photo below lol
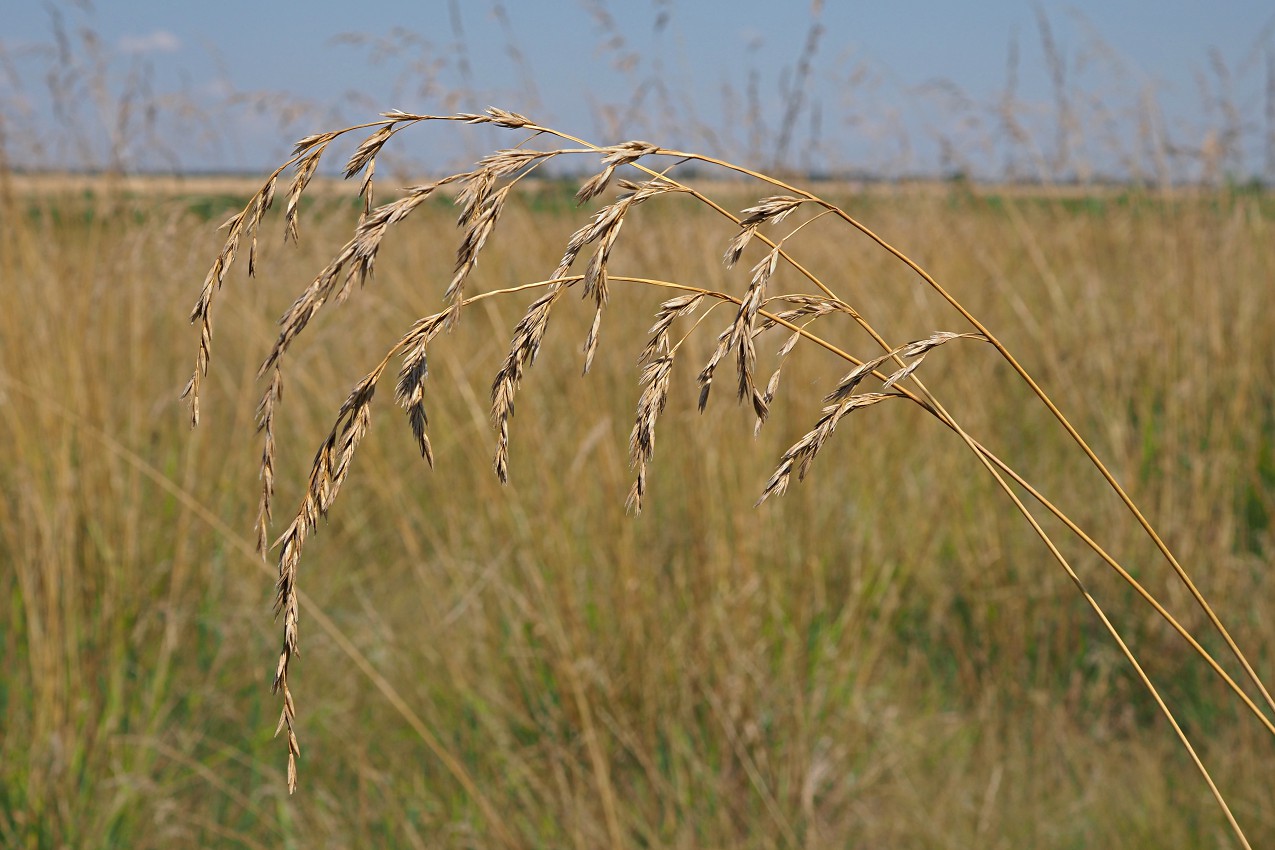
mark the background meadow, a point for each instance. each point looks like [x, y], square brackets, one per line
[885, 656]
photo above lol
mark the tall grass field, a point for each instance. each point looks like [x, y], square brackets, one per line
[884, 655]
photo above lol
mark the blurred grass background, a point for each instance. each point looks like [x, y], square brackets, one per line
[884, 657]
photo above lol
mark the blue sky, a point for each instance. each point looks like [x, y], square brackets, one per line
[903, 87]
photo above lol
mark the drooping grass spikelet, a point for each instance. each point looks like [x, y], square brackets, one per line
[742, 332]
[327, 474]
[595, 277]
[202, 311]
[770, 210]
[478, 222]
[802, 453]
[705, 378]
[265, 416]
[410, 391]
[655, 381]
[843, 400]
[669, 311]
[523, 348]
[615, 156]
[302, 175]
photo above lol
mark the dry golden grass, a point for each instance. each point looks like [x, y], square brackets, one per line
[482, 197]
[885, 656]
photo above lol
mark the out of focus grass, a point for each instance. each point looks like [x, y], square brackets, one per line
[884, 657]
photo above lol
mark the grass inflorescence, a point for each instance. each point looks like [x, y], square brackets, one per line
[781, 298]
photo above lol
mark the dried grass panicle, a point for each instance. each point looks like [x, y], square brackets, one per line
[921, 347]
[802, 453]
[604, 230]
[287, 721]
[479, 222]
[770, 210]
[410, 390]
[332, 461]
[755, 295]
[655, 382]
[366, 152]
[236, 226]
[591, 339]
[843, 400]
[603, 220]
[735, 249]
[656, 358]
[772, 385]
[328, 472]
[808, 308]
[595, 273]
[705, 377]
[916, 349]
[742, 332]
[261, 205]
[365, 189]
[303, 173]
[595, 185]
[483, 194]
[475, 187]
[265, 415]
[507, 161]
[364, 160]
[805, 307]
[305, 159]
[659, 184]
[493, 115]
[202, 314]
[287, 604]
[671, 310]
[628, 152]
[851, 380]
[309, 144]
[523, 348]
[614, 157]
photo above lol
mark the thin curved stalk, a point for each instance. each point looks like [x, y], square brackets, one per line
[1044, 398]
[931, 407]
[863, 323]
[1107, 624]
